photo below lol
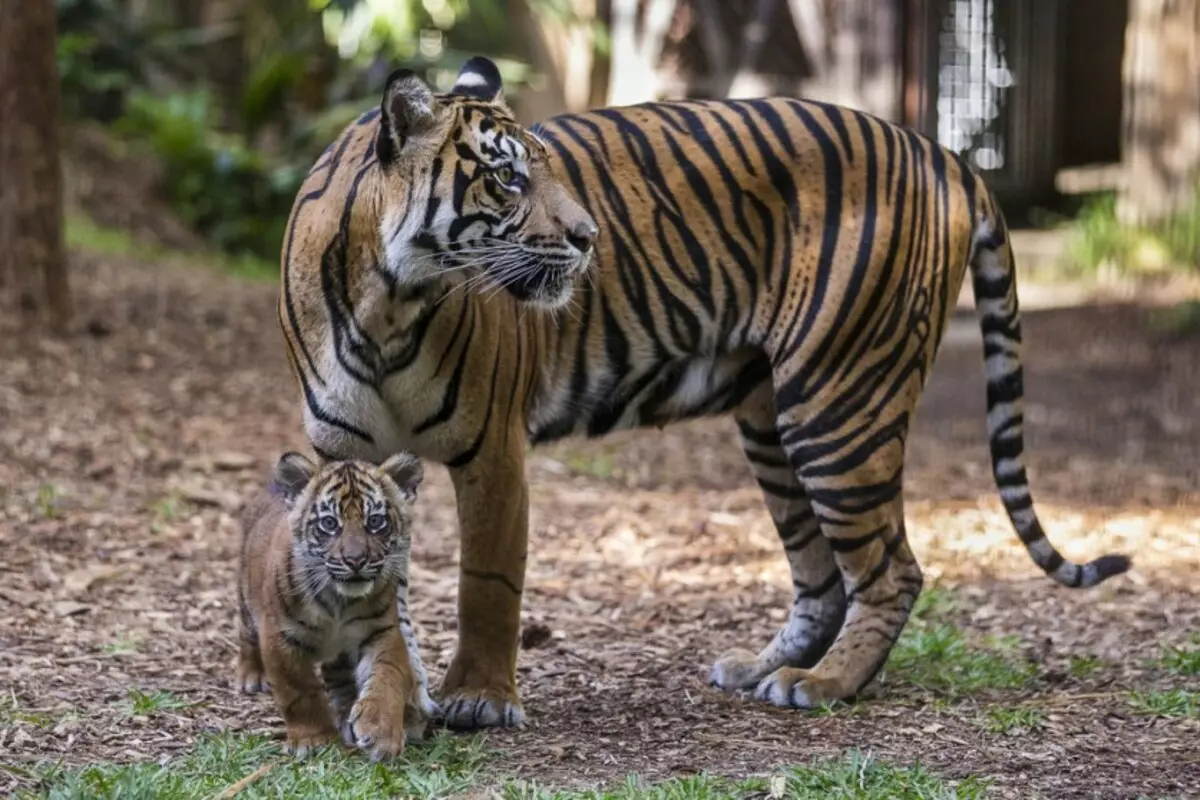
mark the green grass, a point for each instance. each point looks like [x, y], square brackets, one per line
[854, 776]
[441, 767]
[1171, 703]
[1012, 720]
[122, 645]
[1183, 660]
[448, 765]
[142, 704]
[1101, 240]
[939, 658]
[11, 713]
[48, 501]
[84, 234]
[1085, 666]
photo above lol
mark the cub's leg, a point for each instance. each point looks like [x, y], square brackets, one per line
[424, 705]
[480, 686]
[251, 675]
[378, 720]
[818, 600]
[299, 694]
[853, 476]
[342, 688]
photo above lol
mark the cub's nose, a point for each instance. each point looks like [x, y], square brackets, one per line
[583, 235]
[355, 562]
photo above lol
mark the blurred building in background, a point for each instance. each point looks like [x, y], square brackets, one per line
[1030, 90]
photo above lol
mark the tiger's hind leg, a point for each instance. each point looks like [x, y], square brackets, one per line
[818, 602]
[855, 486]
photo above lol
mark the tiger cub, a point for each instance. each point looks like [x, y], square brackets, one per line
[323, 583]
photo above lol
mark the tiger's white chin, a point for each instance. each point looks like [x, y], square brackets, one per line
[354, 589]
[557, 297]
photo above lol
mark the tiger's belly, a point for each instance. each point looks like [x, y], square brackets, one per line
[654, 393]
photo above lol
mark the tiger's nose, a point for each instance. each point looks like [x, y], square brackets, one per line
[355, 562]
[583, 235]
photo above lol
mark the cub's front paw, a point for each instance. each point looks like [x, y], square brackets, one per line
[377, 724]
[302, 741]
[252, 680]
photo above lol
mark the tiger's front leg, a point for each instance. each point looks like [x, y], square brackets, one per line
[480, 686]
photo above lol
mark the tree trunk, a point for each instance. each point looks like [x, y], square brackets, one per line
[33, 269]
[1161, 142]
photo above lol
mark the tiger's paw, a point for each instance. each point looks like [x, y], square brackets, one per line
[789, 687]
[736, 669]
[421, 710]
[471, 709]
[303, 741]
[378, 726]
[252, 680]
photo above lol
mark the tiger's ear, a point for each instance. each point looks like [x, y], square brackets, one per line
[292, 473]
[406, 472]
[408, 109]
[480, 78]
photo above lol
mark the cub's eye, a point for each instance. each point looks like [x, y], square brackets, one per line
[377, 523]
[328, 525]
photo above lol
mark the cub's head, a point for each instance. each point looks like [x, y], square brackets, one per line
[351, 521]
[468, 195]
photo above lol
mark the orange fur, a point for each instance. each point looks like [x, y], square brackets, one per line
[323, 586]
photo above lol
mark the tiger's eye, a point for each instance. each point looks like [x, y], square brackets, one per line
[505, 174]
[377, 523]
[328, 525]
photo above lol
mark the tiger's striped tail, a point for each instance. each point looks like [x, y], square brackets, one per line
[993, 276]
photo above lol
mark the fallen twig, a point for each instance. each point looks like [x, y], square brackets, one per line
[234, 788]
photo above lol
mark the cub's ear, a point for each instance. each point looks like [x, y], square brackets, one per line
[408, 109]
[292, 473]
[480, 78]
[406, 471]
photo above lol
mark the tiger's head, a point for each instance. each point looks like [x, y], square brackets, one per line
[350, 520]
[468, 195]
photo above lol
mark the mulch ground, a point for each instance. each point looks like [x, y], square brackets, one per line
[127, 448]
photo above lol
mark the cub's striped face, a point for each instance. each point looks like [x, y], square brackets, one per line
[351, 521]
[470, 197]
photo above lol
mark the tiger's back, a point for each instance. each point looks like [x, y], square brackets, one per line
[753, 234]
[788, 262]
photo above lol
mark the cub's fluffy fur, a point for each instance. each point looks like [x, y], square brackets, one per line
[323, 584]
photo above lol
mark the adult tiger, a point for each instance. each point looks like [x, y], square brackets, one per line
[789, 262]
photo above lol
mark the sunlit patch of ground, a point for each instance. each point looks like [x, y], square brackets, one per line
[128, 449]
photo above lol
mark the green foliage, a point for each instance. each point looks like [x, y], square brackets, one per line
[98, 61]
[1085, 666]
[235, 151]
[49, 500]
[448, 765]
[1172, 703]
[233, 195]
[141, 703]
[1012, 720]
[1182, 660]
[856, 776]
[11, 713]
[84, 234]
[1179, 319]
[442, 767]
[939, 658]
[1100, 240]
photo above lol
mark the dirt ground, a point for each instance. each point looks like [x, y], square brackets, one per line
[126, 450]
